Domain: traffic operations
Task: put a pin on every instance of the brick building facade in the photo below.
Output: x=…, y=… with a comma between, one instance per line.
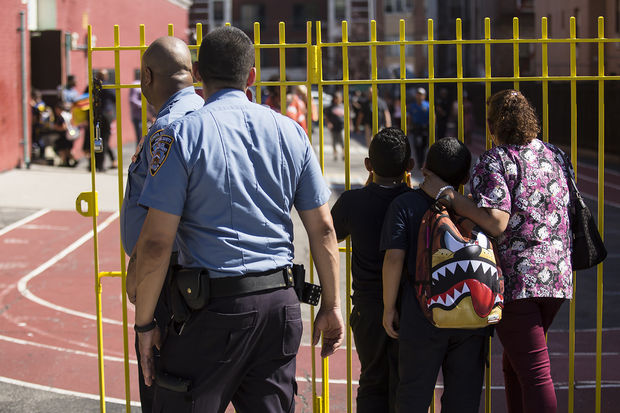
x=73, y=17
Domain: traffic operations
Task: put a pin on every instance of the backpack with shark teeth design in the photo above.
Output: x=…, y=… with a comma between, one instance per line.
x=458, y=281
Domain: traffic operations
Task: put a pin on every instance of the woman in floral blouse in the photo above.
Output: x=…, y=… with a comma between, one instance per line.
x=520, y=196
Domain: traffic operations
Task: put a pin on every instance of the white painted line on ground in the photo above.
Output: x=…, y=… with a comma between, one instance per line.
x=63, y=349
x=23, y=221
x=22, y=285
x=64, y=392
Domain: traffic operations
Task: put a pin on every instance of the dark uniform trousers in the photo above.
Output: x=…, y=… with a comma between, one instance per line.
x=378, y=354
x=237, y=349
x=424, y=349
x=162, y=315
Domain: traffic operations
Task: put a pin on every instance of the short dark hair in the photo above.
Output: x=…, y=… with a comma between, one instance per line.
x=389, y=152
x=512, y=119
x=226, y=57
x=449, y=159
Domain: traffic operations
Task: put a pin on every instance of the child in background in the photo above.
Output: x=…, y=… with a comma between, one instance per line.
x=423, y=347
x=360, y=214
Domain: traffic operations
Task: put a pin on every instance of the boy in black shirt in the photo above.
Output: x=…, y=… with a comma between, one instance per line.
x=360, y=214
x=425, y=348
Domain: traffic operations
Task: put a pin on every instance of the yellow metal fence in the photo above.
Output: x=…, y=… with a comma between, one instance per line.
x=314, y=47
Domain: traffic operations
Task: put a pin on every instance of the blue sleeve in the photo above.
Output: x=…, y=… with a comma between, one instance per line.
x=167, y=176
x=312, y=191
x=395, y=231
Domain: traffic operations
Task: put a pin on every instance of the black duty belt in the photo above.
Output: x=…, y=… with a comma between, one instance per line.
x=251, y=283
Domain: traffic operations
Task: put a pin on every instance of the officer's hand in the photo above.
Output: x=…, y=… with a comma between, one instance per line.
x=131, y=282
x=329, y=322
x=146, y=341
x=391, y=322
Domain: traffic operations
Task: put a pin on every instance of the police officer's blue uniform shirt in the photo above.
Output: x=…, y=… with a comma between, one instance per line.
x=232, y=171
x=132, y=214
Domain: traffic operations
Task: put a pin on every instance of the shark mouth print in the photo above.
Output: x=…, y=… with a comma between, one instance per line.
x=467, y=269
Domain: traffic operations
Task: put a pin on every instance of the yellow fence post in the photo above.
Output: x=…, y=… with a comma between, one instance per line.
x=515, y=51
x=119, y=145
x=403, y=76
x=573, y=151
x=601, y=206
x=89, y=42
x=459, y=76
x=431, y=84
x=545, y=82
x=487, y=93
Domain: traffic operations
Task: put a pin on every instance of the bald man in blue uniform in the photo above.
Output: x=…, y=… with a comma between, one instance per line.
x=222, y=183
x=167, y=84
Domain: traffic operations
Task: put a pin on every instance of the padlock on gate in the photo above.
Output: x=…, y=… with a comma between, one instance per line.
x=98, y=142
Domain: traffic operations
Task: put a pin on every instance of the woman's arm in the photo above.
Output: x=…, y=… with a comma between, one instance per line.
x=493, y=221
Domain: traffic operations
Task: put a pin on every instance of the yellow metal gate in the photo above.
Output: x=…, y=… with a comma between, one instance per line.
x=314, y=48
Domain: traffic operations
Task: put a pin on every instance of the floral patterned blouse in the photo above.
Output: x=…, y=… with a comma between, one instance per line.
x=529, y=182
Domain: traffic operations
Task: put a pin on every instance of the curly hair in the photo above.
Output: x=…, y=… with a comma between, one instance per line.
x=512, y=118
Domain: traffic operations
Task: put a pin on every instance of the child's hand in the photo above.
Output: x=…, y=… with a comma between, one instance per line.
x=391, y=322
x=432, y=183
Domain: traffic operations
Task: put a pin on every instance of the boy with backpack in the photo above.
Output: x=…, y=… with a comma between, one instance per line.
x=360, y=213
x=424, y=348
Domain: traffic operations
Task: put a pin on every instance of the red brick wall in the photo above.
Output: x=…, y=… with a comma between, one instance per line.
x=11, y=150
x=72, y=16
x=128, y=15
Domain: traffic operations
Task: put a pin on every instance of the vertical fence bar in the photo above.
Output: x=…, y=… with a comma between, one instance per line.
x=487, y=140
x=282, y=58
x=89, y=41
x=431, y=85
x=459, y=75
x=373, y=77
x=257, y=61
x=573, y=151
x=170, y=29
x=143, y=107
x=347, y=184
x=119, y=146
x=198, y=39
x=403, y=76
x=310, y=70
x=319, y=80
x=487, y=95
x=545, y=82
x=601, y=207
x=515, y=51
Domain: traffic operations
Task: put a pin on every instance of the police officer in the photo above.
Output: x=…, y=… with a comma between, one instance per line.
x=166, y=81
x=223, y=180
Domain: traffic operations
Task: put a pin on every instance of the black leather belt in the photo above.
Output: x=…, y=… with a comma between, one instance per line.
x=251, y=283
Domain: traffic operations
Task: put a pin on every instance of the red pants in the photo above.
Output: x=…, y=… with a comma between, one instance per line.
x=527, y=370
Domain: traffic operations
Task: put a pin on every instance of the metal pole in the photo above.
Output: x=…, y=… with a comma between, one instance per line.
x=67, y=55
x=25, y=129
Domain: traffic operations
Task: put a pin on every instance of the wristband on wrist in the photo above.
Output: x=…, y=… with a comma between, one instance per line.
x=145, y=328
x=442, y=189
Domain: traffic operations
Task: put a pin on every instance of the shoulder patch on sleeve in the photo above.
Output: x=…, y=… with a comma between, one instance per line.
x=160, y=147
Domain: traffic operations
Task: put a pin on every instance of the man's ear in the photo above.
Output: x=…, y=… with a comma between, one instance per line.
x=148, y=76
x=195, y=72
x=251, y=77
x=368, y=164
x=410, y=164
